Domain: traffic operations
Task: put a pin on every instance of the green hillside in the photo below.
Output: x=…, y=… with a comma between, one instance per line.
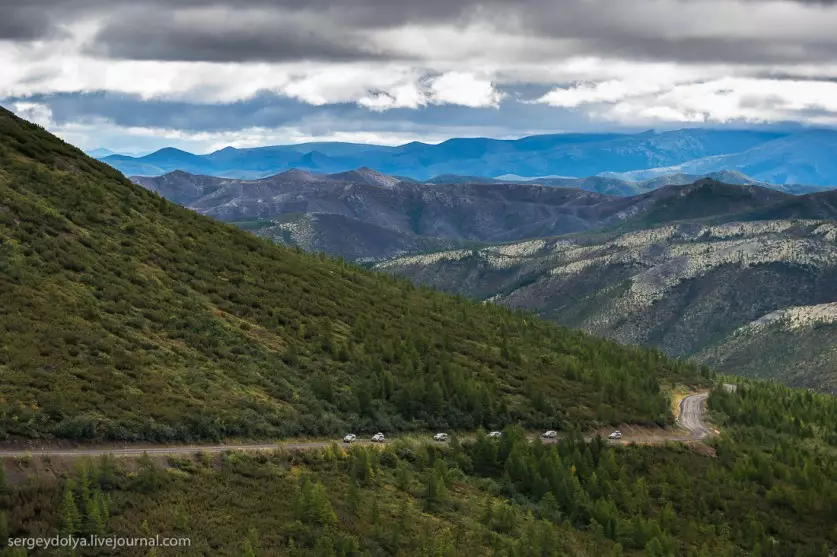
x=124, y=316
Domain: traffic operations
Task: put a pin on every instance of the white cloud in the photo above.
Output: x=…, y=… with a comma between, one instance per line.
x=62, y=67
x=37, y=113
x=628, y=63
x=463, y=89
x=723, y=100
x=605, y=91
x=91, y=134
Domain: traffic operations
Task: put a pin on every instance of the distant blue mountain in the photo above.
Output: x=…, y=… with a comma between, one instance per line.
x=100, y=153
x=769, y=156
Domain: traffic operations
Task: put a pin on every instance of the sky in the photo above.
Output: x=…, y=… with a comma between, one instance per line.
x=201, y=75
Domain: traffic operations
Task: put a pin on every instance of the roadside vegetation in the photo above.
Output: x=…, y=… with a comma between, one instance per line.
x=767, y=492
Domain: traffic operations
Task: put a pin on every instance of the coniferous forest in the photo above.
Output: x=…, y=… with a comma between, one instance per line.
x=769, y=487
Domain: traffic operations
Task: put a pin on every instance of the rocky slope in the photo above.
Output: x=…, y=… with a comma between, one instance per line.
x=363, y=214
x=750, y=297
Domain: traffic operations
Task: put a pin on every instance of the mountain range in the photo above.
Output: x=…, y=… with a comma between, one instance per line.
x=742, y=278
x=780, y=158
x=363, y=214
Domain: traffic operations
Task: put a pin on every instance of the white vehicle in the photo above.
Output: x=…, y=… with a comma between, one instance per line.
x=495, y=434
x=551, y=434
x=615, y=435
x=378, y=438
x=440, y=437
x=349, y=438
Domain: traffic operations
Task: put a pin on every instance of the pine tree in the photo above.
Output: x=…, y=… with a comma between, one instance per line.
x=404, y=477
x=4, y=527
x=94, y=522
x=247, y=548
x=253, y=538
x=324, y=547
x=147, y=478
x=104, y=508
x=668, y=518
x=654, y=549
x=107, y=472
x=376, y=514
x=291, y=356
x=312, y=505
x=549, y=508
x=68, y=512
x=362, y=466
x=434, y=494
x=353, y=496
x=81, y=473
x=322, y=511
x=181, y=518
x=4, y=486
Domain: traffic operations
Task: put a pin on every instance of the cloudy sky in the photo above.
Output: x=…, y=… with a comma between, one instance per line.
x=138, y=75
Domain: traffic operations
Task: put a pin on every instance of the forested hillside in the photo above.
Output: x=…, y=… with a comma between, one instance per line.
x=123, y=316
x=767, y=488
x=749, y=298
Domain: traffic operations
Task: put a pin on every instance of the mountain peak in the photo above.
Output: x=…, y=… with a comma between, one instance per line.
x=171, y=151
x=299, y=174
x=368, y=176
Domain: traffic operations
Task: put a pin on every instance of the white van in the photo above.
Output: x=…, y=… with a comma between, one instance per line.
x=378, y=438
x=440, y=437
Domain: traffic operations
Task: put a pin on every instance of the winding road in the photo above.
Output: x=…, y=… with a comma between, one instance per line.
x=692, y=409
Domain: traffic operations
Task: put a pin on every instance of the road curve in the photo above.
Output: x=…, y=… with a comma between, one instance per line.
x=692, y=409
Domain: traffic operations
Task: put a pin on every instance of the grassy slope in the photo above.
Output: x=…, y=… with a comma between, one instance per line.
x=125, y=316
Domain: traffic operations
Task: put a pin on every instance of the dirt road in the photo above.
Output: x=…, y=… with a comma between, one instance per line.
x=692, y=409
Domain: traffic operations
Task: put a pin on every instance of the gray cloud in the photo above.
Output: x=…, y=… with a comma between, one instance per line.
x=23, y=23
x=330, y=30
x=274, y=111
x=279, y=40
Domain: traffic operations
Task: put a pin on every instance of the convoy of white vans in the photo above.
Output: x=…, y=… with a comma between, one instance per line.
x=443, y=437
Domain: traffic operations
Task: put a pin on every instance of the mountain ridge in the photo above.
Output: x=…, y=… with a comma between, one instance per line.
x=555, y=154
x=410, y=213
